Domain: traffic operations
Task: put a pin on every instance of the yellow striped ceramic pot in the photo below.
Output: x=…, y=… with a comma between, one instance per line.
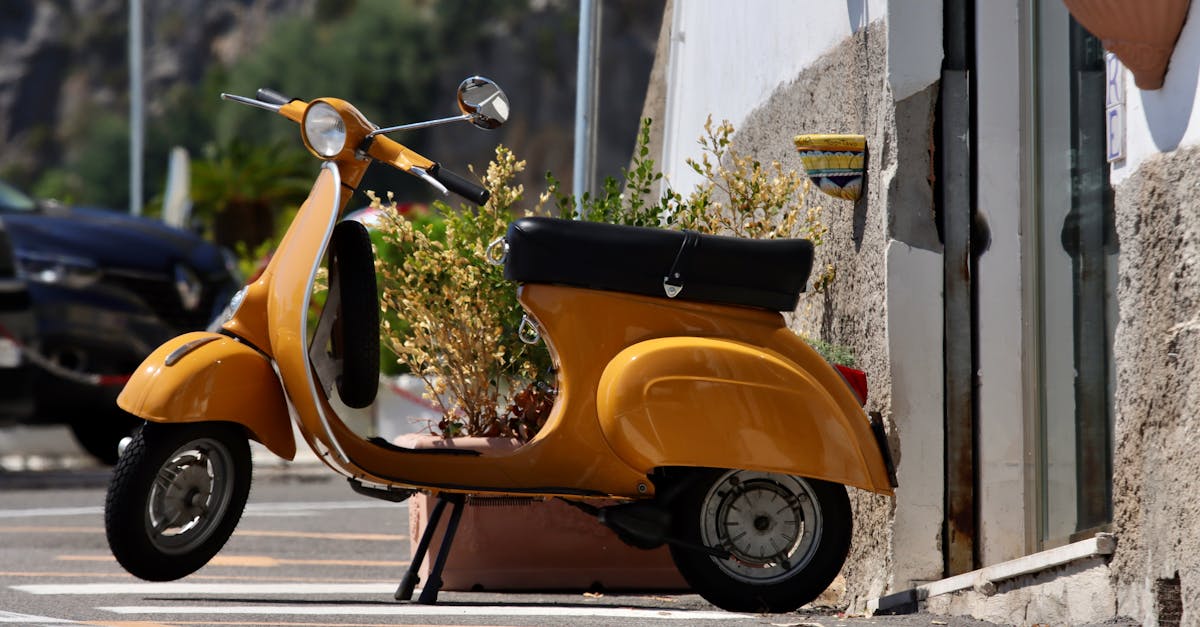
x=834, y=162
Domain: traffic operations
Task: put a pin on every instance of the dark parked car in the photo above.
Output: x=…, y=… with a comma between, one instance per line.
x=16, y=329
x=106, y=289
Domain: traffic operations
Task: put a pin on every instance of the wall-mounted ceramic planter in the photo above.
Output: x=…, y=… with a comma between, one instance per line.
x=1141, y=34
x=834, y=162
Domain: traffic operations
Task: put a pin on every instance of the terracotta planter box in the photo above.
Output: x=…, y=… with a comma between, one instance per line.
x=518, y=544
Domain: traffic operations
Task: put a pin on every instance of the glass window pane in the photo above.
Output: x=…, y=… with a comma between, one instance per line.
x=1076, y=248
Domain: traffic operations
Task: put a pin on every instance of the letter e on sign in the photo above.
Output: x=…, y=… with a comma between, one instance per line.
x=1114, y=130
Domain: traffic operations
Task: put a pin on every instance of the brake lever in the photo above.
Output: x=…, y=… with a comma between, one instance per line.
x=425, y=176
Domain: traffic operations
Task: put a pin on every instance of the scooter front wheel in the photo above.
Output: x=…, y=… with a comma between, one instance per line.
x=786, y=538
x=176, y=496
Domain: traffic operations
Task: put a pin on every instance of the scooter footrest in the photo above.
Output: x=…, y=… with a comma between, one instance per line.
x=382, y=443
x=768, y=274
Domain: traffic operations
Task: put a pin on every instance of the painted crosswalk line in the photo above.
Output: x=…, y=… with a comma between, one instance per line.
x=430, y=610
x=301, y=589
x=13, y=618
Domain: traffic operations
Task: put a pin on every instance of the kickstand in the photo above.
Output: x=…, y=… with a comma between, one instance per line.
x=429, y=592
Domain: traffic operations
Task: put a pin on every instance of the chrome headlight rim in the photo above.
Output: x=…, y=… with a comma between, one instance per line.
x=324, y=130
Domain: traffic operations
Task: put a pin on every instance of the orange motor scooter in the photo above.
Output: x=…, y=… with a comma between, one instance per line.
x=681, y=393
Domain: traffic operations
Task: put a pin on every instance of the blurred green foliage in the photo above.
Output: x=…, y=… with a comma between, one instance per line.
x=386, y=56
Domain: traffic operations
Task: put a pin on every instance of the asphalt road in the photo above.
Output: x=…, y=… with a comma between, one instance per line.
x=307, y=552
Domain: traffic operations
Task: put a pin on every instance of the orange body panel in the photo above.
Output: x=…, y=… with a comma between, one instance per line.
x=220, y=379
x=695, y=401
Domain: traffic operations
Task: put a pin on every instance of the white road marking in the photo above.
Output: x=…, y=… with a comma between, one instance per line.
x=260, y=509
x=207, y=588
x=50, y=511
x=430, y=610
x=30, y=619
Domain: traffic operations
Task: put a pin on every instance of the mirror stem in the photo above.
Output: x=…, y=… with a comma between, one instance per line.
x=466, y=117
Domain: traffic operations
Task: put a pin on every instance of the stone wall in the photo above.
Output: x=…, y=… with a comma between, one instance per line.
x=1157, y=399
x=1074, y=594
x=847, y=92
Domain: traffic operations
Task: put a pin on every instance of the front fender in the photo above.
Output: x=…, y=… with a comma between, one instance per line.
x=693, y=401
x=200, y=377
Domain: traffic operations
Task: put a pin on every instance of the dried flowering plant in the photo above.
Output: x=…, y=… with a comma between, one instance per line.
x=739, y=196
x=460, y=315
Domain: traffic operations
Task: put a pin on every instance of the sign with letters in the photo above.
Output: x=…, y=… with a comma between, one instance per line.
x=1114, y=107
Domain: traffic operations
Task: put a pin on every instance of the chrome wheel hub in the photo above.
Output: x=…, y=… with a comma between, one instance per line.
x=769, y=524
x=190, y=495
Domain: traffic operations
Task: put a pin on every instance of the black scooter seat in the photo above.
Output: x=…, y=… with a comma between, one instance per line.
x=768, y=274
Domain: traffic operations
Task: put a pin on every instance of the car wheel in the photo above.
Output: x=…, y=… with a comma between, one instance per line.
x=100, y=435
x=356, y=333
x=176, y=496
x=786, y=539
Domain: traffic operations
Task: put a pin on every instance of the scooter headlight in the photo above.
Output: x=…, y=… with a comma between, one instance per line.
x=324, y=130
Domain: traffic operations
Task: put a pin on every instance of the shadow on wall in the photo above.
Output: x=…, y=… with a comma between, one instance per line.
x=1168, y=110
x=859, y=14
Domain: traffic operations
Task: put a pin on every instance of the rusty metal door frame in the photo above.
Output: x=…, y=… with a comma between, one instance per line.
x=956, y=206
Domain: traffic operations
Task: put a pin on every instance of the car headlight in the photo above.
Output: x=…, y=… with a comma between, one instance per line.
x=72, y=272
x=189, y=287
x=324, y=130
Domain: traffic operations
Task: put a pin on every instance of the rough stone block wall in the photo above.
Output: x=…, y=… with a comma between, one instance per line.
x=847, y=92
x=1156, y=482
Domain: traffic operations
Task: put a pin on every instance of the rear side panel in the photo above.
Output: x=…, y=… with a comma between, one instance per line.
x=696, y=401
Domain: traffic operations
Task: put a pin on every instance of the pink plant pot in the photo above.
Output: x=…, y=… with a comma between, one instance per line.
x=521, y=544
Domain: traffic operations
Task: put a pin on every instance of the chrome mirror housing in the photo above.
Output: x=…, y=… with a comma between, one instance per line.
x=483, y=101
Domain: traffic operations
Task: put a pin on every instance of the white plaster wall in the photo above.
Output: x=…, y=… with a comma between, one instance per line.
x=914, y=319
x=1001, y=498
x=914, y=45
x=1164, y=119
x=728, y=57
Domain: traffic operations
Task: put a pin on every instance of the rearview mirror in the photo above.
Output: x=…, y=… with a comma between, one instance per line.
x=484, y=101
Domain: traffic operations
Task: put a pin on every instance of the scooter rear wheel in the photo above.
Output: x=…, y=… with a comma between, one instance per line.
x=176, y=496
x=787, y=538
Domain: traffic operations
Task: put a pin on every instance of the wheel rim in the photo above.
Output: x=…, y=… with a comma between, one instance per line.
x=769, y=523
x=190, y=496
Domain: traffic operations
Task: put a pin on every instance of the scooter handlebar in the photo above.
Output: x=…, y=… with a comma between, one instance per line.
x=267, y=94
x=460, y=185
x=384, y=149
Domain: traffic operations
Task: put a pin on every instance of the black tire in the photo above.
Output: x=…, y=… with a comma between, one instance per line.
x=356, y=332
x=157, y=529
x=759, y=577
x=100, y=435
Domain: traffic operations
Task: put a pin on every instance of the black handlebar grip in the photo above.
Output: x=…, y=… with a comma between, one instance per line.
x=460, y=185
x=268, y=95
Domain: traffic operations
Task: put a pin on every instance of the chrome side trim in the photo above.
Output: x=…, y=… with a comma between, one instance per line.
x=182, y=351
x=312, y=275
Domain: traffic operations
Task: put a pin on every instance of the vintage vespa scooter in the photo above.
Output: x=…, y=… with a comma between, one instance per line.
x=681, y=394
